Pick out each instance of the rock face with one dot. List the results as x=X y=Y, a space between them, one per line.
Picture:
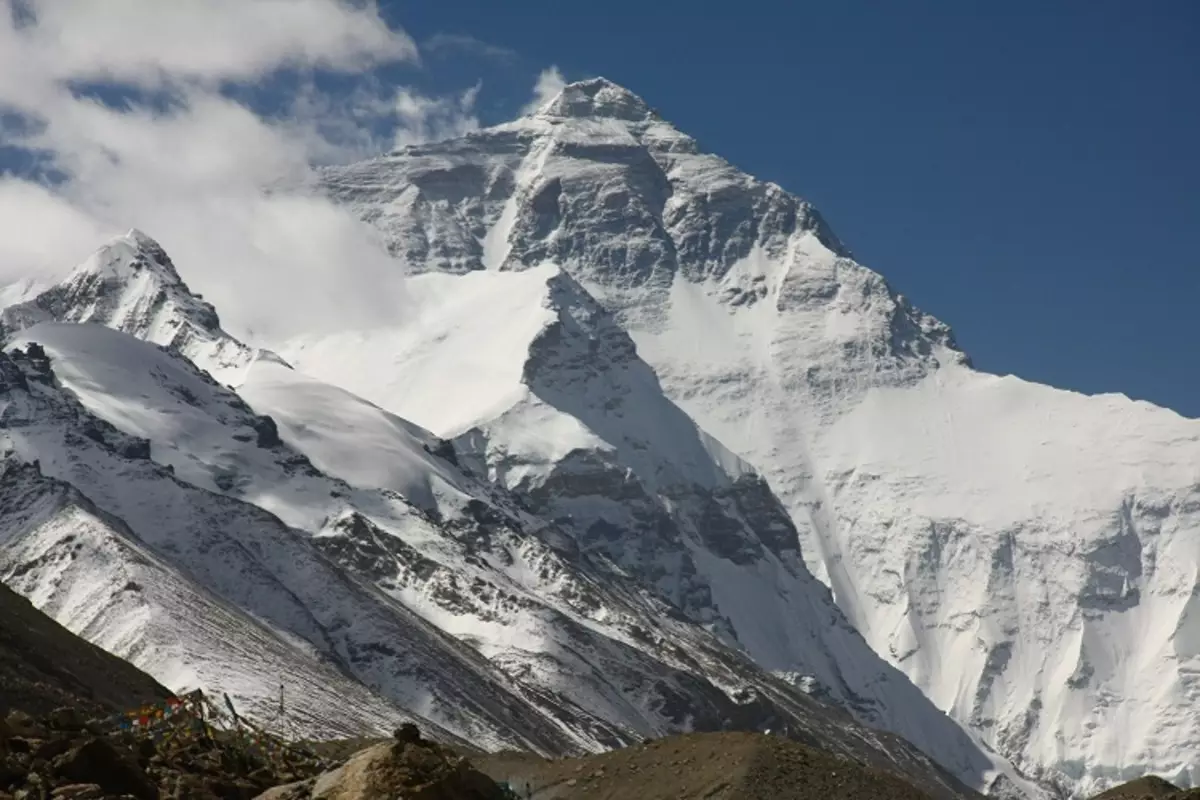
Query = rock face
x=1027 y=556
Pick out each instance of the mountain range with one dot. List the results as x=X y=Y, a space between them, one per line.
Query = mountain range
x=648 y=451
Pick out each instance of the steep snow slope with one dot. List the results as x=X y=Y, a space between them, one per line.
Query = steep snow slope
x=355 y=440
x=237 y=552
x=43 y=666
x=591 y=650
x=89 y=572
x=1034 y=568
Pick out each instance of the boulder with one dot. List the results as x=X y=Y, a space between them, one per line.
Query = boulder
x=66 y=719
x=411 y=770
x=408 y=733
x=23 y=725
x=78 y=791
x=97 y=761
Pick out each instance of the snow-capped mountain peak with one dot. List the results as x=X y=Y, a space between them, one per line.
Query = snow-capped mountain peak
x=131 y=284
x=126 y=255
x=596 y=97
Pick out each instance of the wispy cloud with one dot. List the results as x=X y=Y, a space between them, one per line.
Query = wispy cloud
x=425 y=119
x=158 y=143
x=449 y=43
x=549 y=83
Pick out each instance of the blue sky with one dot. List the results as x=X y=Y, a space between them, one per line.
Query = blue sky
x=1027 y=171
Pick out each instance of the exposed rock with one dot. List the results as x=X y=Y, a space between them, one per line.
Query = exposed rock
x=22 y=724
x=96 y=761
x=71 y=765
x=408 y=733
x=413 y=771
x=43 y=667
x=78 y=791
x=66 y=719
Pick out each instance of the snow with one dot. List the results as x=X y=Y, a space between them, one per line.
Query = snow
x=261 y=570
x=97 y=582
x=454 y=363
x=583 y=409
x=346 y=436
x=464 y=363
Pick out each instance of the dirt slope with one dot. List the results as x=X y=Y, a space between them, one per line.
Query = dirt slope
x=44 y=666
x=712 y=766
x=1148 y=788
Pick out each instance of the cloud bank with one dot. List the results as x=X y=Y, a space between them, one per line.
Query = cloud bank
x=123 y=107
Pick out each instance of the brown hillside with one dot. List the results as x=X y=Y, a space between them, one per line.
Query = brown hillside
x=712 y=766
x=1149 y=788
x=44 y=666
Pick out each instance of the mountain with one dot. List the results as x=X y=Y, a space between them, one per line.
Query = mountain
x=43 y=666
x=1029 y=557
x=161 y=515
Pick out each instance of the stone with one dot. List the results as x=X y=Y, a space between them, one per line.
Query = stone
x=408 y=733
x=11 y=771
x=51 y=749
x=66 y=719
x=22 y=724
x=414 y=771
x=78 y=791
x=97 y=761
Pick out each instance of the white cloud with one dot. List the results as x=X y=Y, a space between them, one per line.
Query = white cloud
x=148 y=41
x=450 y=42
x=197 y=170
x=549 y=83
x=39 y=229
x=430 y=119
